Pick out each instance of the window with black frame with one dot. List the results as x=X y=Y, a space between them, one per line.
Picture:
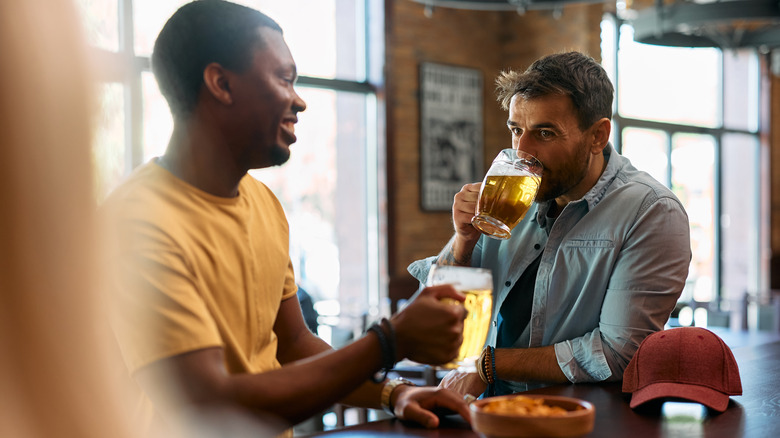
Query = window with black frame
x=690 y=118
x=330 y=188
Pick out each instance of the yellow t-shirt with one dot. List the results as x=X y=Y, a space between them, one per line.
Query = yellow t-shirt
x=193 y=270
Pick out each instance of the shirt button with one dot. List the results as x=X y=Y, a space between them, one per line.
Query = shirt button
x=494 y=323
x=508 y=283
x=537 y=246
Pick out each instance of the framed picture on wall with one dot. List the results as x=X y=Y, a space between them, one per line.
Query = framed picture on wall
x=451 y=137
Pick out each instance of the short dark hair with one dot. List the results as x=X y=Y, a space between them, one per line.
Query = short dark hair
x=199 y=33
x=571 y=74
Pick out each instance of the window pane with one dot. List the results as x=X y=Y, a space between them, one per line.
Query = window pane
x=158 y=123
x=647 y=150
x=608 y=46
x=326 y=37
x=740 y=82
x=739 y=218
x=109 y=141
x=608 y=43
x=669 y=84
x=693 y=172
x=149 y=16
x=323 y=190
x=101 y=23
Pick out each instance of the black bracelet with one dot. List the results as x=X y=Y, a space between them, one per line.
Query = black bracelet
x=390 y=332
x=388 y=358
x=492 y=386
x=493 y=363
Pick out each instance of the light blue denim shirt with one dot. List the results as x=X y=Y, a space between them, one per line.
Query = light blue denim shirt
x=612 y=268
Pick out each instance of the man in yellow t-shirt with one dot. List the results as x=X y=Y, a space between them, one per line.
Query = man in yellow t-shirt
x=205 y=312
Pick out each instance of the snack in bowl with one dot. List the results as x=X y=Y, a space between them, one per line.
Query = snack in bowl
x=524 y=405
x=531 y=415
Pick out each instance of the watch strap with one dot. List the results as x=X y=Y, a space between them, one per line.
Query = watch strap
x=387 y=391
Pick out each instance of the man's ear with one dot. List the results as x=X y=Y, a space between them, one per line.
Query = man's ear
x=600 y=131
x=217 y=83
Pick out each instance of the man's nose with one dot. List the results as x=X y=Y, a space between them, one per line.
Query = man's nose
x=524 y=143
x=299 y=104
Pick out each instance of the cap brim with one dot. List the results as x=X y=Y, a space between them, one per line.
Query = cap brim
x=709 y=397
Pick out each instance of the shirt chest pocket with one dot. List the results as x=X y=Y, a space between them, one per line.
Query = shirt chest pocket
x=587 y=263
x=580 y=255
x=589 y=244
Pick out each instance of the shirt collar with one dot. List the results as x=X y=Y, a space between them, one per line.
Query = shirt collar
x=615 y=162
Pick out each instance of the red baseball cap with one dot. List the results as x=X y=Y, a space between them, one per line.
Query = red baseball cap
x=689 y=363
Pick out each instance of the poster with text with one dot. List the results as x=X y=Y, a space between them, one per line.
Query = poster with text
x=451 y=132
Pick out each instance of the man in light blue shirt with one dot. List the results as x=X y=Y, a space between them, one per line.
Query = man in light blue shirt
x=599 y=261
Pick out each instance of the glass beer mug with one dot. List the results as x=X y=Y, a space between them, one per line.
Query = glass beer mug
x=477 y=285
x=507 y=192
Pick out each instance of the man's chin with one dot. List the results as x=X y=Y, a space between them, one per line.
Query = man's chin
x=542 y=196
x=279 y=155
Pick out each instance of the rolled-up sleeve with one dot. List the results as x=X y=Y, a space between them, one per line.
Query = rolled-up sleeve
x=420 y=268
x=582 y=359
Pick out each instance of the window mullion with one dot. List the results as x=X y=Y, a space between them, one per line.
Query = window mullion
x=717 y=224
x=133 y=92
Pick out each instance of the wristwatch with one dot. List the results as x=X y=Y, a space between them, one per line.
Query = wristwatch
x=387 y=390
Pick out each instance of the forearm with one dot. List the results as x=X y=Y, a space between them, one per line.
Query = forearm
x=366 y=396
x=426 y=331
x=303 y=388
x=529 y=365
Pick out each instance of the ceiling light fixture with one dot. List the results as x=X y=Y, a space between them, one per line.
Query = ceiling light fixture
x=521 y=6
x=728 y=24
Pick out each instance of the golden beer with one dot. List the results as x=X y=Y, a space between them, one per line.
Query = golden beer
x=477 y=285
x=479 y=304
x=507 y=198
x=507 y=193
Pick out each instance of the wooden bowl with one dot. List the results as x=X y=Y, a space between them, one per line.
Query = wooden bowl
x=578 y=419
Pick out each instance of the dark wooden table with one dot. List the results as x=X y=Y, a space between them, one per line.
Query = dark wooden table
x=756 y=413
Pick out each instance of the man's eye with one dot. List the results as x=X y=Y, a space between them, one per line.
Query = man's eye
x=546 y=134
x=516 y=131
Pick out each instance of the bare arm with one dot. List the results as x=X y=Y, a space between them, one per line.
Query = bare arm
x=297 y=342
x=314 y=376
x=517 y=364
x=529 y=365
x=294 y=392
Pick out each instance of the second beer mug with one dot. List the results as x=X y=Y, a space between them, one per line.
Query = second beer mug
x=507 y=192
x=477 y=285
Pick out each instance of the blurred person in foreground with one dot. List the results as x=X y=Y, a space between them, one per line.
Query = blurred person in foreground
x=57 y=358
x=206 y=308
x=600 y=259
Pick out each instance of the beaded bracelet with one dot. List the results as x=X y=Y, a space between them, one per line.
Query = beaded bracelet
x=388 y=350
x=487 y=368
x=480 y=366
x=492 y=377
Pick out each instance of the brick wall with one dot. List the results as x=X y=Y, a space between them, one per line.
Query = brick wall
x=489 y=41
